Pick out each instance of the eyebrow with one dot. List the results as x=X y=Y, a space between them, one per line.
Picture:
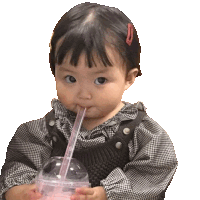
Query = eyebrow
x=101 y=71
x=67 y=70
x=97 y=72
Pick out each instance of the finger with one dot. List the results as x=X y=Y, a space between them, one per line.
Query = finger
x=34 y=195
x=38 y=195
x=33 y=192
x=80 y=197
x=32 y=187
x=85 y=191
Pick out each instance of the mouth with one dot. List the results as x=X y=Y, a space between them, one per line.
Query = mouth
x=87 y=107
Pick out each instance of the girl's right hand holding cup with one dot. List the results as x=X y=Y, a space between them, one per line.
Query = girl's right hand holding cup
x=23 y=192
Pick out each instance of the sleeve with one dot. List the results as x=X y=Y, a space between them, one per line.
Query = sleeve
x=26 y=152
x=151 y=168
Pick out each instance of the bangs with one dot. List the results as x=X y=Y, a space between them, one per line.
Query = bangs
x=88 y=40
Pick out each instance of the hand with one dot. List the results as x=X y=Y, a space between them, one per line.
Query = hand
x=96 y=193
x=23 y=192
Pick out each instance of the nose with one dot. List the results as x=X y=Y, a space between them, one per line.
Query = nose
x=84 y=93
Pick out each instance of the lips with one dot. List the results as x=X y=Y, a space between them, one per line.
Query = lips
x=82 y=106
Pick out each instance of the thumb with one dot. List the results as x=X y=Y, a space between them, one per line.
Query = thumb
x=38 y=195
x=33 y=187
x=34 y=194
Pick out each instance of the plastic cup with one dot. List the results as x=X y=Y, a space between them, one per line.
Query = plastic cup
x=50 y=184
x=60 y=176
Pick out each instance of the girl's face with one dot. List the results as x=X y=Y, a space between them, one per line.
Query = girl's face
x=99 y=89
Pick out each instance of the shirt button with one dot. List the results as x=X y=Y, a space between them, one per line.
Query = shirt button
x=54 y=138
x=118 y=145
x=51 y=123
x=126 y=131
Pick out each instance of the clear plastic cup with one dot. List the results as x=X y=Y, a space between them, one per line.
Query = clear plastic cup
x=60 y=176
x=53 y=187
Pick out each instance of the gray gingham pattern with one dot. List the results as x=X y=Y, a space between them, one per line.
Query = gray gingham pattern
x=153 y=160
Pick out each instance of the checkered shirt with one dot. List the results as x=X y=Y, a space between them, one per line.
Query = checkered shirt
x=152 y=158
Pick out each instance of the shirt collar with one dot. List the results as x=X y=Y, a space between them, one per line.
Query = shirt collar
x=61 y=112
x=127 y=112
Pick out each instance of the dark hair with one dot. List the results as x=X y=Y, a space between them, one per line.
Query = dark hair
x=89 y=27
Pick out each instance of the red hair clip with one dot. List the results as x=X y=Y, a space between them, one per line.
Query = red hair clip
x=129 y=38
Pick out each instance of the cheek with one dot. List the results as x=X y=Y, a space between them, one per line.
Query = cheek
x=109 y=98
x=114 y=92
x=64 y=95
x=60 y=89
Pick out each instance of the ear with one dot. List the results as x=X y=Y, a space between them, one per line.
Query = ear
x=131 y=77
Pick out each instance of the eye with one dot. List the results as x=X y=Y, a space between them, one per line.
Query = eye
x=100 y=80
x=70 y=79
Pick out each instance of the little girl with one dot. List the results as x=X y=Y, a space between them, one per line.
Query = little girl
x=94 y=56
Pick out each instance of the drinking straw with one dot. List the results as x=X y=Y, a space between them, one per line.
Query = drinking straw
x=71 y=144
